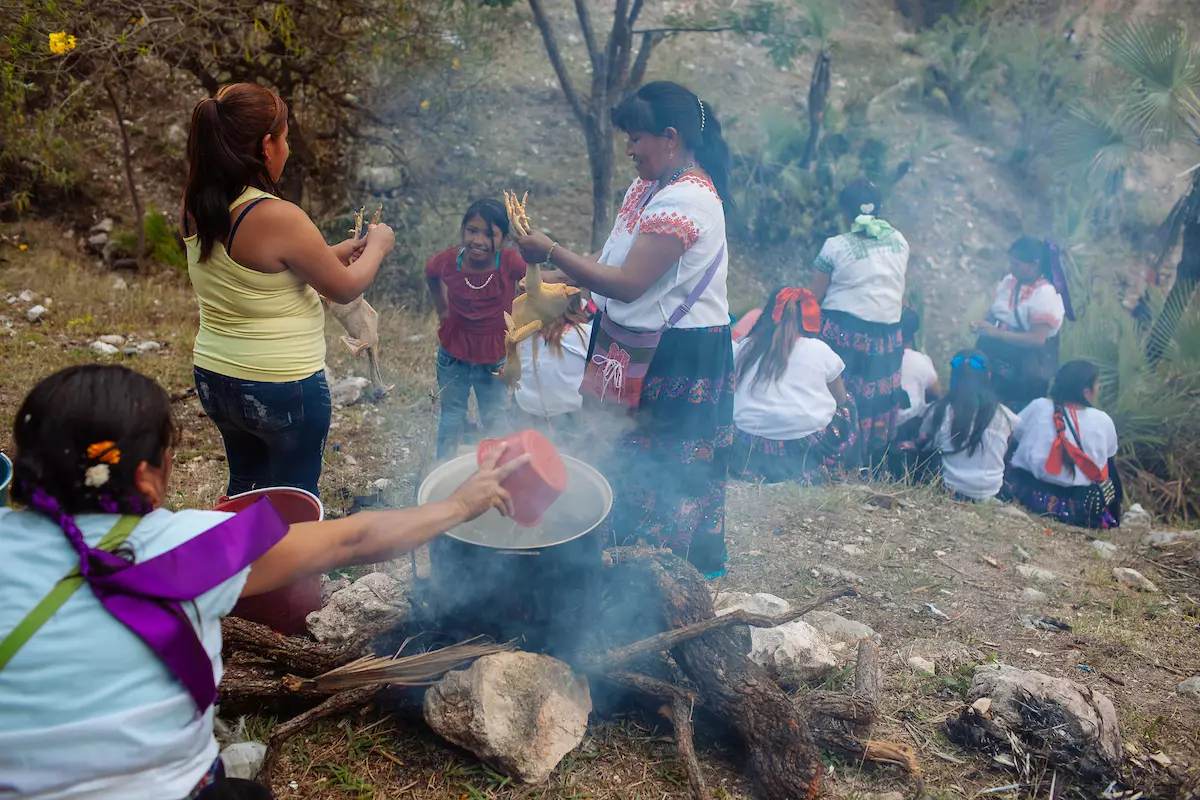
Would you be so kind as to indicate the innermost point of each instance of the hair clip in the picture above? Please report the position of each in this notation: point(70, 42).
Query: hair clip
point(867, 208)
point(700, 103)
point(976, 362)
point(105, 452)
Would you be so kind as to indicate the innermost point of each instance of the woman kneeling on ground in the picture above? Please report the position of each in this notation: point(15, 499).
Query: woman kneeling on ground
point(1064, 465)
point(792, 417)
point(968, 431)
point(259, 266)
point(553, 364)
point(108, 691)
point(473, 285)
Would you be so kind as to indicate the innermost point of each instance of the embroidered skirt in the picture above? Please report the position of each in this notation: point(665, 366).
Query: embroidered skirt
point(667, 460)
point(1096, 506)
point(874, 353)
point(810, 460)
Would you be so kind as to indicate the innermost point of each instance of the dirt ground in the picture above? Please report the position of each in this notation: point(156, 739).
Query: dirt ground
point(1133, 647)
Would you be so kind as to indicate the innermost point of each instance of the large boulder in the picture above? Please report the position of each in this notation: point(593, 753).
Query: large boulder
point(794, 653)
point(371, 605)
point(1070, 719)
point(519, 712)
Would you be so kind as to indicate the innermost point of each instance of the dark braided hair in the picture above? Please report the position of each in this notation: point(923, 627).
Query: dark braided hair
point(74, 410)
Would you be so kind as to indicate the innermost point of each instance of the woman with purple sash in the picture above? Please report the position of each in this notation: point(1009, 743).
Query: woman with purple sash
point(110, 604)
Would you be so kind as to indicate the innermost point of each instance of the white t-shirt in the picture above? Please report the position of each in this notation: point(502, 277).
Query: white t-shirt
point(555, 388)
point(798, 404)
point(980, 475)
point(866, 276)
point(917, 374)
point(1037, 302)
point(87, 709)
point(1036, 434)
point(690, 209)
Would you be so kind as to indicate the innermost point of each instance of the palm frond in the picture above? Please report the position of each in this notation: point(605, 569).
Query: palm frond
point(421, 669)
point(1089, 142)
point(1164, 68)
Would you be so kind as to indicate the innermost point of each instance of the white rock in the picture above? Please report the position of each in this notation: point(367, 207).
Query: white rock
point(119, 284)
point(1033, 595)
point(382, 484)
point(243, 760)
point(103, 226)
point(794, 653)
point(1134, 579)
point(1106, 550)
point(1011, 512)
point(837, 574)
point(370, 605)
point(35, 314)
point(1021, 553)
point(330, 587)
point(98, 239)
point(761, 603)
point(1039, 574)
point(947, 652)
point(115, 339)
point(852, 550)
point(837, 628)
point(1190, 687)
point(920, 665)
point(1168, 537)
point(26, 296)
point(347, 392)
point(103, 348)
point(148, 347)
point(519, 712)
point(1089, 717)
point(1136, 517)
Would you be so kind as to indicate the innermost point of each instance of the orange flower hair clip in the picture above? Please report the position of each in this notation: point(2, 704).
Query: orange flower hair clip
point(104, 452)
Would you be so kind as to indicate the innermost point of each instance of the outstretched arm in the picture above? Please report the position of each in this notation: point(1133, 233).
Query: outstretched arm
point(648, 260)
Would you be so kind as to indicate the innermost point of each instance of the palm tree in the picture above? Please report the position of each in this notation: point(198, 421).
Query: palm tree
point(1159, 102)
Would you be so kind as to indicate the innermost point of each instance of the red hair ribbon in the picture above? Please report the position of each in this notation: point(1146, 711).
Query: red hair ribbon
point(810, 310)
point(1063, 448)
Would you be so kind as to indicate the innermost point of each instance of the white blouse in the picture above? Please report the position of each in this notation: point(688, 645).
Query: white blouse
point(977, 475)
point(554, 389)
point(1033, 303)
point(1036, 433)
point(866, 276)
point(690, 209)
point(798, 404)
point(917, 376)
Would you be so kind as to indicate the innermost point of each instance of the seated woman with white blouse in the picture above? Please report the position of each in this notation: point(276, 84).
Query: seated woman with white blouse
point(1064, 464)
point(792, 417)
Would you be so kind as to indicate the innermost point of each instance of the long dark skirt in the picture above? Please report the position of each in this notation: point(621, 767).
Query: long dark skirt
point(811, 460)
point(1097, 506)
point(667, 461)
point(874, 353)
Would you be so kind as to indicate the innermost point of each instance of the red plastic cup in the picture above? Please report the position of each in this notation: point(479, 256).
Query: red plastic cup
point(284, 609)
point(536, 486)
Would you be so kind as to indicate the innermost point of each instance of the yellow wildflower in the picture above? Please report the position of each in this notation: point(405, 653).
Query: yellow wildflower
point(455, 64)
point(424, 105)
point(22, 247)
point(62, 43)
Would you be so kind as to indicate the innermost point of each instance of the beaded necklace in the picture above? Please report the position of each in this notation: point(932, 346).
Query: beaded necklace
point(467, 280)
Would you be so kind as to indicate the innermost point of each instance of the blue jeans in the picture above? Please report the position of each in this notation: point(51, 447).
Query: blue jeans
point(274, 432)
point(455, 380)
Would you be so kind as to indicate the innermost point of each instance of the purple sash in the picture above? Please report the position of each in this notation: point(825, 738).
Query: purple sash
point(147, 597)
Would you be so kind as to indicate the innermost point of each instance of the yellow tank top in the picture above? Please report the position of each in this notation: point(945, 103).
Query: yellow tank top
point(254, 326)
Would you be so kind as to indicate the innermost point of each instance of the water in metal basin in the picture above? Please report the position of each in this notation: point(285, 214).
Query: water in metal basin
point(582, 507)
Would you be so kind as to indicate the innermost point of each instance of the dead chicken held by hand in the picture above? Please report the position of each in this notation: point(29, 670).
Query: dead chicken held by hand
point(540, 305)
point(361, 321)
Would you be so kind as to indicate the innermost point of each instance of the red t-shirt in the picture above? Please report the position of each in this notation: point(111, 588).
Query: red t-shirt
point(473, 330)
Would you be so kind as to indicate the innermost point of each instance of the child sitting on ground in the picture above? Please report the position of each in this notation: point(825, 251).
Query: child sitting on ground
point(918, 379)
point(968, 431)
point(792, 417)
point(548, 396)
point(107, 681)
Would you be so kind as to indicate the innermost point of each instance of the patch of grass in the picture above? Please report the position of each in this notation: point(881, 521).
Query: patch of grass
point(347, 780)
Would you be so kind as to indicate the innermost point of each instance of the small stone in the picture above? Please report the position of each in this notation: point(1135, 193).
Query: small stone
point(98, 239)
point(119, 285)
point(149, 347)
point(1136, 517)
point(852, 550)
point(25, 296)
point(1022, 553)
point(833, 573)
point(1012, 512)
point(922, 666)
point(1039, 574)
point(1167, 537)
point(1190, 687)
point(115, 339)
point(839, 629)
point(762, 603)
point(949, 653)
point(889, 795)
point(35, 314)
point(1134, 579)
point(1032, 595)
point(382, 484)
point(103, 226)
point(103, 348)
point(243, 760)
point(1106, 550)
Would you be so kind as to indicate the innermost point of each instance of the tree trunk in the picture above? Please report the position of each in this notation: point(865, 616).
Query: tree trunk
point(818, 93)
point(600, 158)
point(127, 156)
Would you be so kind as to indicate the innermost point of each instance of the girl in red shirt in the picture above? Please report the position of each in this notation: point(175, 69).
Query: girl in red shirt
point(473, 285)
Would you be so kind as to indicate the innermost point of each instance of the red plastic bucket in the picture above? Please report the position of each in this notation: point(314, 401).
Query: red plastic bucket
point(283, 609)
point(534, 488)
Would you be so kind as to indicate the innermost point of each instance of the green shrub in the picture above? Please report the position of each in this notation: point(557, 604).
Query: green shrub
point(162, 241)
point(961, 70)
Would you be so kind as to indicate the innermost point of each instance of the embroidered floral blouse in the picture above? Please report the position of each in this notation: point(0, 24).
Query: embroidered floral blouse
point(866, 276)
point(1020, 308)
point(690, 209)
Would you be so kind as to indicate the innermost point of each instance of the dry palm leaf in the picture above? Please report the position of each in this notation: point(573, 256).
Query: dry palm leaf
point(422, 669)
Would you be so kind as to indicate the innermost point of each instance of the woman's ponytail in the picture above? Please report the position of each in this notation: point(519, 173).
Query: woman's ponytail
point(712, 153)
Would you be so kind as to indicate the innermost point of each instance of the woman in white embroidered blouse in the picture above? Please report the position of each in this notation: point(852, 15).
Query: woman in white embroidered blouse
point(1020, 333)
point(673, 428)
point(859, 281)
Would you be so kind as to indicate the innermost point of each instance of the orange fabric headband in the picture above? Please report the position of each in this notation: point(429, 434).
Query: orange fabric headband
point(810, 310)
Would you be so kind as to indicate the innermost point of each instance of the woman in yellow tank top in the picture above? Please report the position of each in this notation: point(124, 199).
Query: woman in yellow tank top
point(259, 266)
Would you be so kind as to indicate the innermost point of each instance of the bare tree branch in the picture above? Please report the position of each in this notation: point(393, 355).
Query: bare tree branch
point(127, 156)
point(589, 35)
point(556, 60)
point(717, 29)
point(649, 42)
